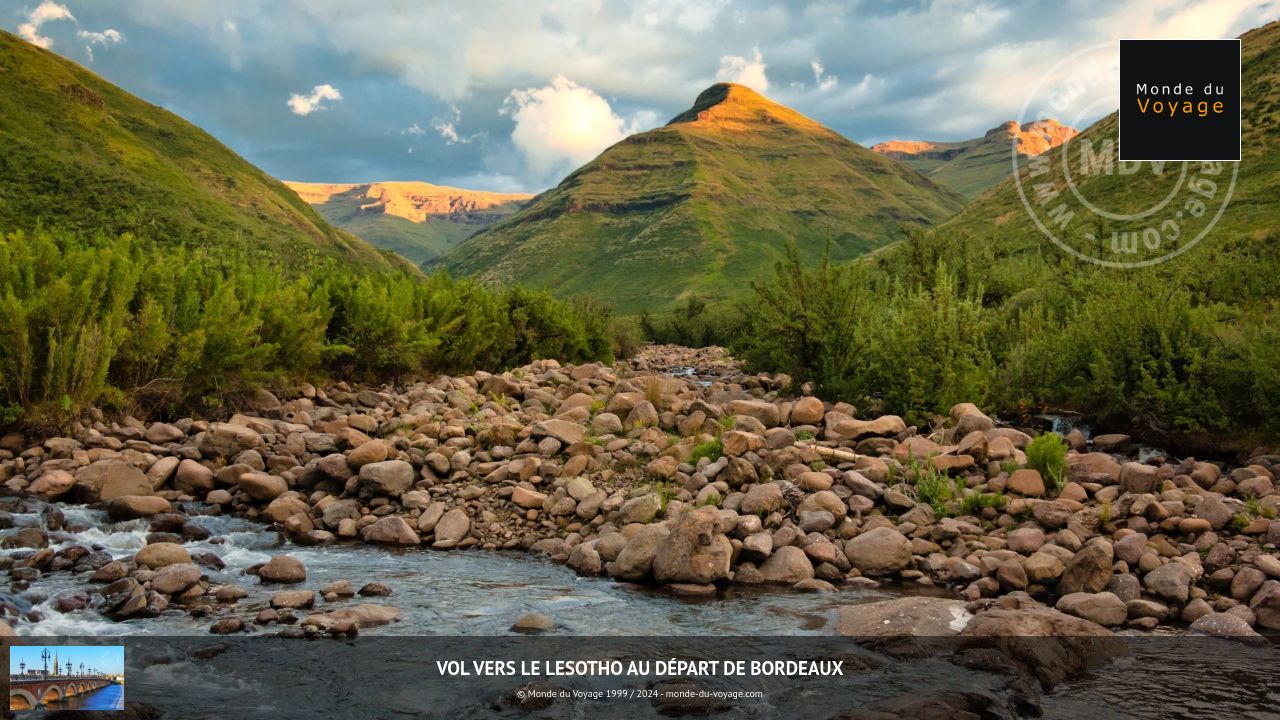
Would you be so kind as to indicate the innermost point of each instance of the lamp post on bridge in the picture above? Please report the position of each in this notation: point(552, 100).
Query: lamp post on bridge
point(44, 655)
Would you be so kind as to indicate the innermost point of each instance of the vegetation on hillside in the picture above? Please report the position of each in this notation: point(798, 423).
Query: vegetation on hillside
point(415, 220)
point(703, 205)
point(983, 309)
point(83, 154)
point(134, 324)
point(145, 266)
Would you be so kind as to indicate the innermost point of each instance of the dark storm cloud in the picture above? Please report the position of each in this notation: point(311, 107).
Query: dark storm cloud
point(427, 88)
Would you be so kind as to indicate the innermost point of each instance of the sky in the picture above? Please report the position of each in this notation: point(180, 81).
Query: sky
point(512, 95)
point(106, 658)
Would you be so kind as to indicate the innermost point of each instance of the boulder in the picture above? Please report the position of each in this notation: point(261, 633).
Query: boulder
point(1026, 482)
point(636, 559)
point(1227, 625)
point(526, 498)
point(367, 453)
point(1103, 608)
point(1212, 508)
point(193, 479)
point(1089, 571)
point(788, 564)
point(641, 509)
point(1046, 644)
point(880, 551)
point(695, 550)
point(807, 411)
point(1265, 605)
point(452, 527)
point(391, 530)
point(883, 426)
point(762, 498)
point(563, 430)
point(283, 569)
point(52, 484)
point(261, 486)
point(389, 477)
point(361, 616)
point(130, 507)
point(765, 412)
point(162, 433)
point(107, 479)
point(224, 440)
point(903, 617)
point(294, 599)
point(173, 579)
point(159, 555)
point(533, 623)
point(1171, 581)
point(1138, 478)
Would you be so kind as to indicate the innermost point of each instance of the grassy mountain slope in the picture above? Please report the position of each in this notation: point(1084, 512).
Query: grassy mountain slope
point(703, 205)
point(998, 224)
point(1185, 350)
point(82, 154)
point(970, 167)
point(417, 220)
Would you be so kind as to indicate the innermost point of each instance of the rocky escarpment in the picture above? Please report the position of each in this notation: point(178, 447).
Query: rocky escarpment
point(650, 472)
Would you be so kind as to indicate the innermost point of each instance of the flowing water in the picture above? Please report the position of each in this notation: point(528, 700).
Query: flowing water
point(478, 594)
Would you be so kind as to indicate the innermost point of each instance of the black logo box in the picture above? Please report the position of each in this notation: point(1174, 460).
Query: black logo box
point(1188, 64)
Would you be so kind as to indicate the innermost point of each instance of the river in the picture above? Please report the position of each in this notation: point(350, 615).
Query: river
point(478, 594)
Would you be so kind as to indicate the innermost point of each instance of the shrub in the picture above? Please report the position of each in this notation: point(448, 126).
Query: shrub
point(711, 449)
point(1047, 453)
point(136, 325)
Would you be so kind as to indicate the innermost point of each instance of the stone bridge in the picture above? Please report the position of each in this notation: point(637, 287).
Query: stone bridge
point(26, 693)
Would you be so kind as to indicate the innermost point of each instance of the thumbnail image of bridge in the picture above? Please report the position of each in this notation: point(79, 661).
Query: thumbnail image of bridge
point(29, 689)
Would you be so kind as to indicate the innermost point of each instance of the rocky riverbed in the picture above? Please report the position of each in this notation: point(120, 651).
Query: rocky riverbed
point(675, 470)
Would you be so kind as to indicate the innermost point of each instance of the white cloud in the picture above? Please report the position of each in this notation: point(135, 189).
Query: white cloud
point(104, 38)
point(414, 129)
point(825, 82)
point(737, 69)
point(564, 124)
point(691, 17)
point(307, 104)
point(45, 12)
point(448, 128)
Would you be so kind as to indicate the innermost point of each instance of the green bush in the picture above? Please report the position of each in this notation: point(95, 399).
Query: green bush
point(154, 328)
point(1047, 453)
point(711, 449)
point(1169, 350)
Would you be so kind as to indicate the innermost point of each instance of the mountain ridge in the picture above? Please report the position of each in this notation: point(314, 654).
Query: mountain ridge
point(702, 205)
point(973, 166)
point(415, 219)
point(85, 155)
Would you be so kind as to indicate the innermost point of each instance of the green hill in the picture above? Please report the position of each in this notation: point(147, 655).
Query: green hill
point(1019, 258)
point(703, 205)
point(82, 154)
point(970, 167)
point(984, 308)
point(417, 220)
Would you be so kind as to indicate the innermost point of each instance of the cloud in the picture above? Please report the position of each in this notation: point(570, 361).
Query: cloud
point(448, 128)
point(106, 37)
point(563, 125)
point(691, 17)
point(825, 82)
point(737, 69)
point(307, 104)
point(47, 11)
point(414, 129)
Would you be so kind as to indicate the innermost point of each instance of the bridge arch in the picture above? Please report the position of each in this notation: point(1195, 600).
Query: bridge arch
point(52, 694)
point(21, 700)
point(71, 690)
